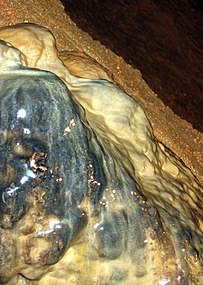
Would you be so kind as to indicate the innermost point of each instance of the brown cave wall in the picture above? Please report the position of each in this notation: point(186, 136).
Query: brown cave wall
point(160, 38)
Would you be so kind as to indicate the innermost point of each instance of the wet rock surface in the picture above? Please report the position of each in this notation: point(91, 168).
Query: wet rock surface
point(175, 133)
point(88, 197)
point(50, 162)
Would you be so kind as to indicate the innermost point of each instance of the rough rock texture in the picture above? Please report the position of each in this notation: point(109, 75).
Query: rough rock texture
point(170, 253)
point(47, 157)
point(62, 186)
point(176, 134)
point(163, 39)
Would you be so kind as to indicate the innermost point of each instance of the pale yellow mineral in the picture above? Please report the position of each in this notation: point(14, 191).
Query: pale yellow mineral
point(128, 136)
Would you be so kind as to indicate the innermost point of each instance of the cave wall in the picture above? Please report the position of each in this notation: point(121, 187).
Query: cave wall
point(160, 38)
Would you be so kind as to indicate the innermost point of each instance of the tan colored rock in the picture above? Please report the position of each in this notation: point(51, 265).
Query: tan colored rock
point(176, 134)
point(80, 264)
point(128, 135)
point(82, 65)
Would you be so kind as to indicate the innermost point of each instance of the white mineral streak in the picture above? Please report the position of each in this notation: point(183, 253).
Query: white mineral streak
point(122, 127)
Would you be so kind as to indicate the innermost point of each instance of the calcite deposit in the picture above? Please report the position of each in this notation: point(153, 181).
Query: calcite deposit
point(88, 195)
point(176, 134)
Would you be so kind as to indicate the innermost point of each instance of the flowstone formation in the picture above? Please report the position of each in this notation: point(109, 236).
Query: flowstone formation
point(88, 196)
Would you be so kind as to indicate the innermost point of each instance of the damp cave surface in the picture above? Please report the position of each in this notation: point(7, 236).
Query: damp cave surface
point(163, 39)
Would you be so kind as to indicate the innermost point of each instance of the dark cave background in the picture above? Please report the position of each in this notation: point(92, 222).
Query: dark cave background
point(163, 39)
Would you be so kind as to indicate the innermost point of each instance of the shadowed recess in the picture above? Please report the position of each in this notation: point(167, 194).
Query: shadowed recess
point(163, 39)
